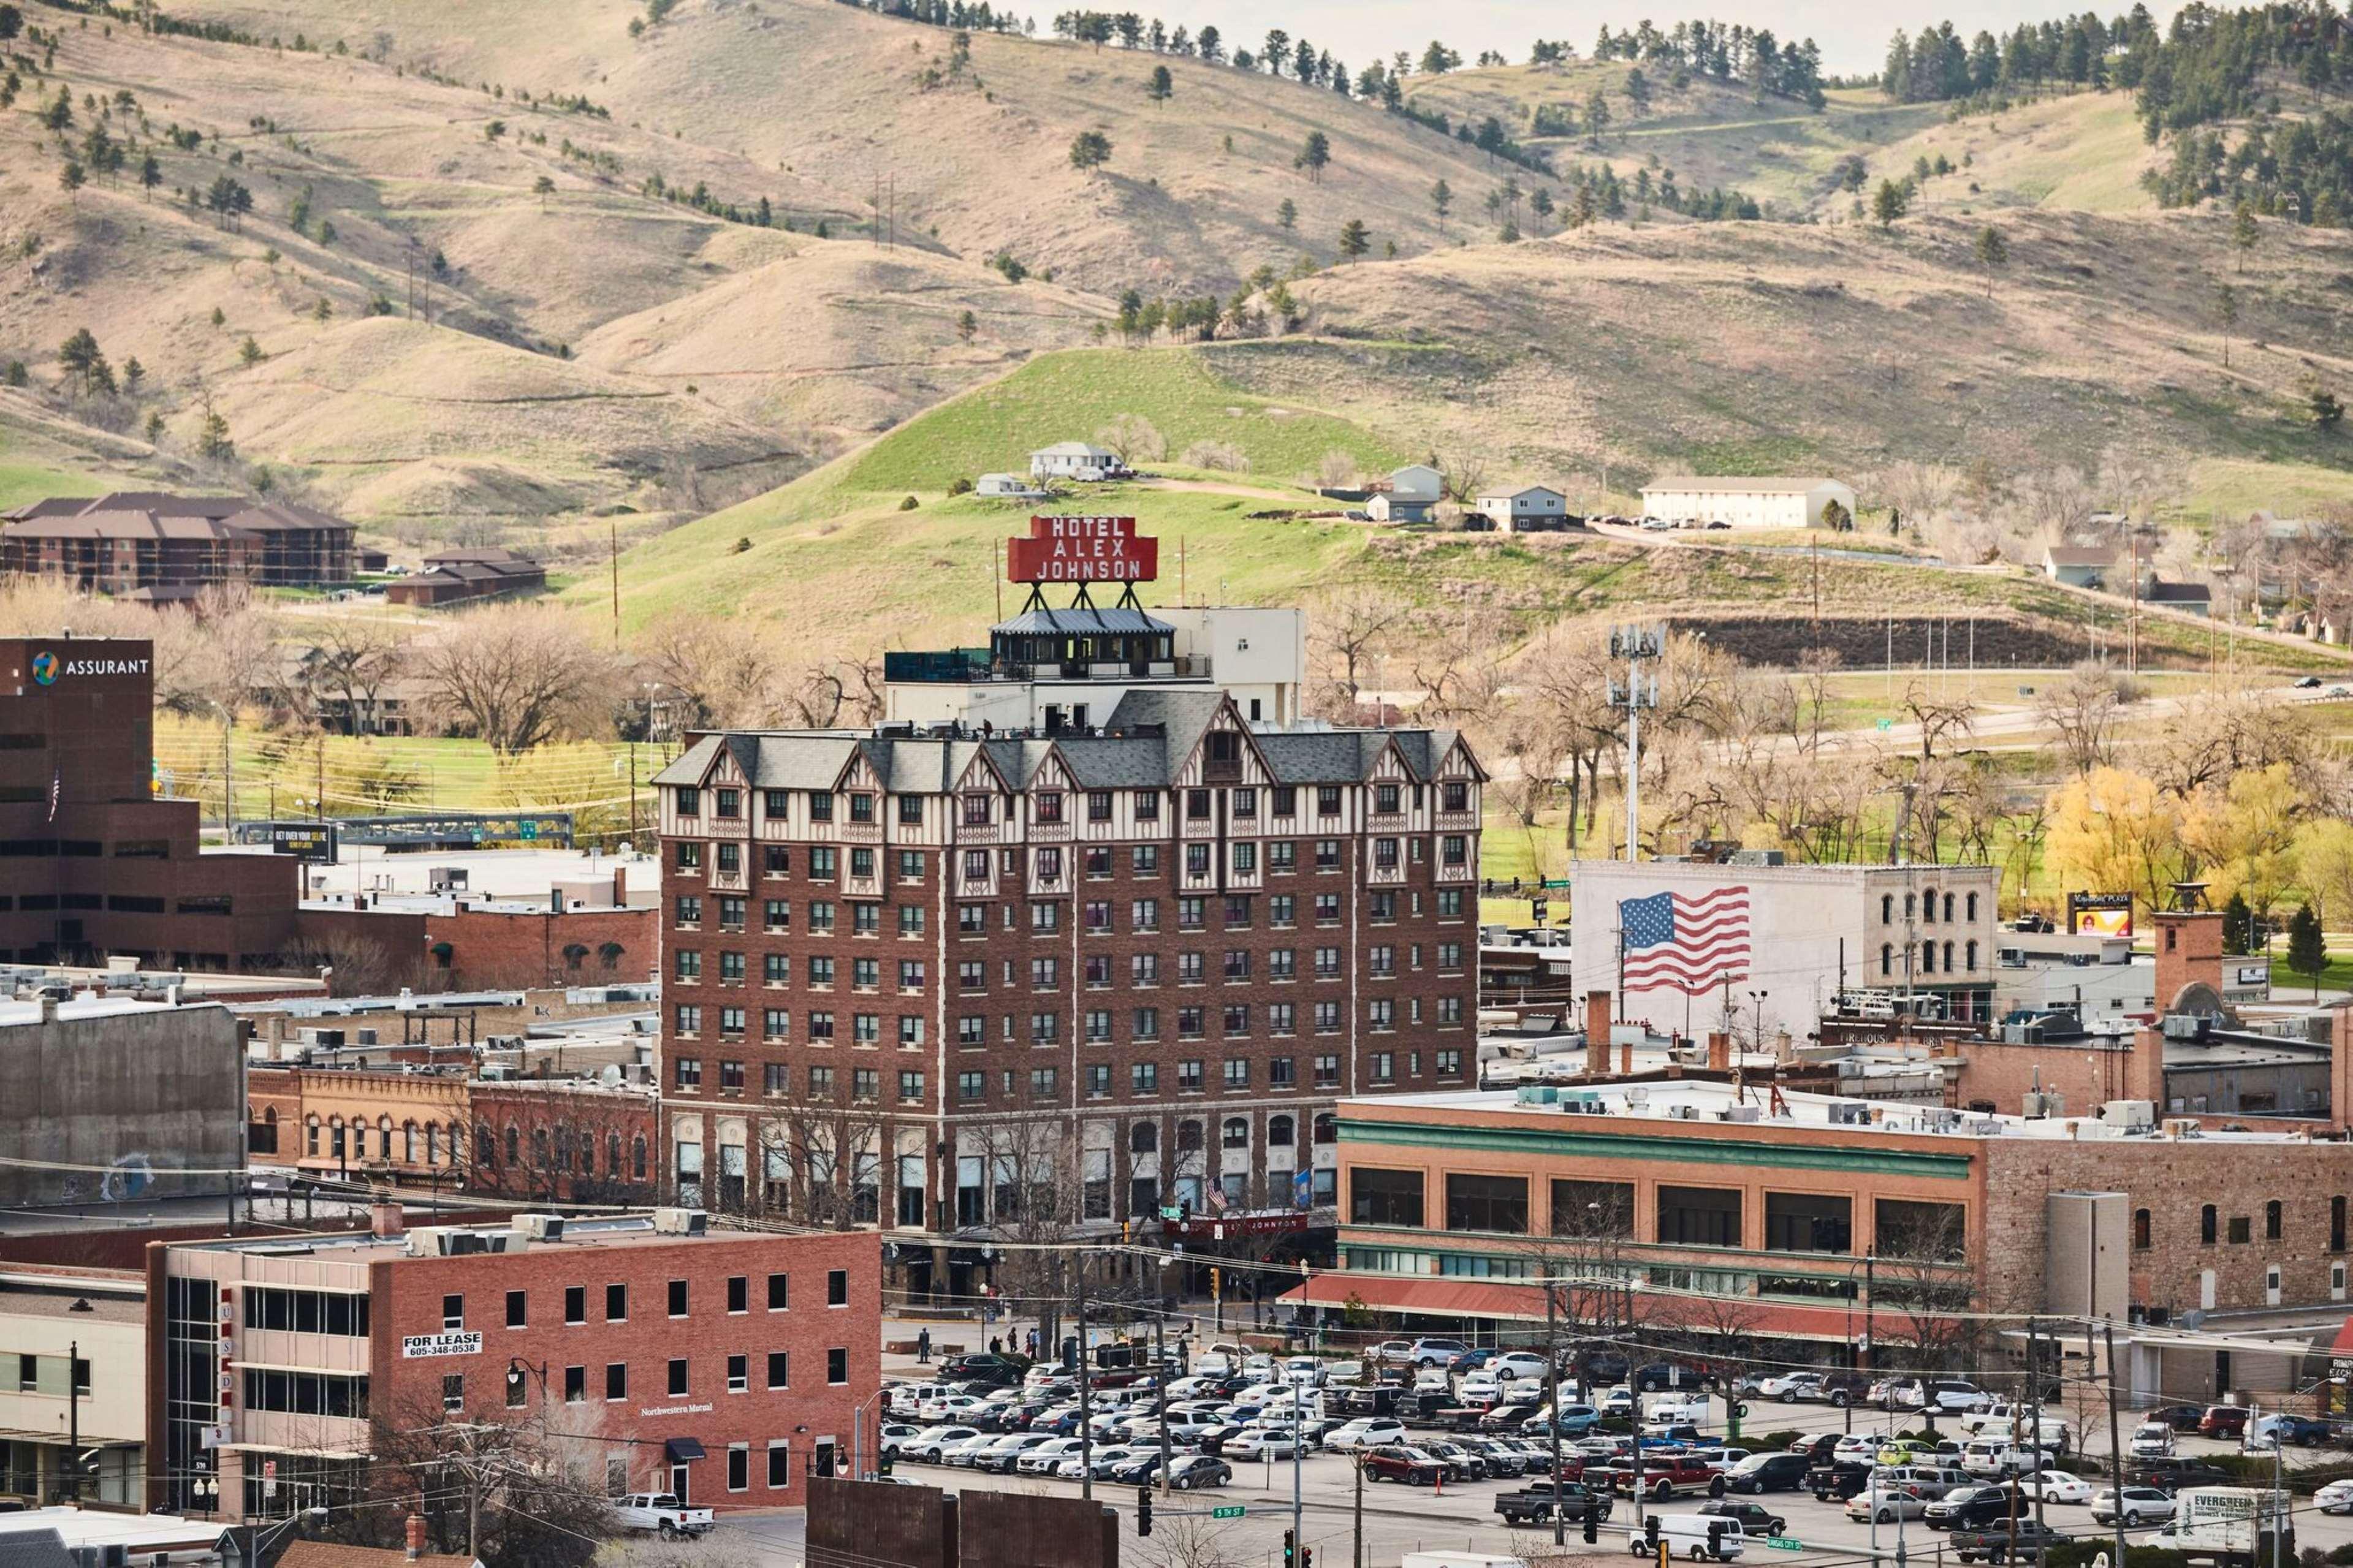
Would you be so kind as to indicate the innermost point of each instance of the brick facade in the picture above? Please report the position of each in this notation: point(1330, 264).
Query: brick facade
point(931, 950)
point(465, 946)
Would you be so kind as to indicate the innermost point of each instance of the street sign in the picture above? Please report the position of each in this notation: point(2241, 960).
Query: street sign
point(1230, 1511)
point(1785, 1543)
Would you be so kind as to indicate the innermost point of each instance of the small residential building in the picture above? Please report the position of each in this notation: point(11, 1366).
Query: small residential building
point(1746, 500)
point(2189, 598)
point(457, 576)
point(726, 1367)
point(1412, 495)
point(2080, 565)
point(1076, 460)
point(1535, 509)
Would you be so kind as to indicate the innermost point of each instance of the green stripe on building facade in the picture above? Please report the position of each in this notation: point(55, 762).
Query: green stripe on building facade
point(1677, 1150)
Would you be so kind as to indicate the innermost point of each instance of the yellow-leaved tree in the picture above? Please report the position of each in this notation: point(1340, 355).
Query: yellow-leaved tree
point(2243, 835)
point(2324, 853)
point(2114, 831)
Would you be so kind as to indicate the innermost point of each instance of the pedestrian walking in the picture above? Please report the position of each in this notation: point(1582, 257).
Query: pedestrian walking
point(923, 1345)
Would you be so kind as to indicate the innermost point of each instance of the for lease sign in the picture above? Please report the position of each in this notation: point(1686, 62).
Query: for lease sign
point(1083, 549)
point(423, 1347)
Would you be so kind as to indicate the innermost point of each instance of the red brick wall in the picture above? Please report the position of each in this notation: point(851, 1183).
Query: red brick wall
point(409, 1292)
point(2189, 950)
point(490, 949)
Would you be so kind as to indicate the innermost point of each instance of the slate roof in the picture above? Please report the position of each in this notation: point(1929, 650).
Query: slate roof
point(33, 1549)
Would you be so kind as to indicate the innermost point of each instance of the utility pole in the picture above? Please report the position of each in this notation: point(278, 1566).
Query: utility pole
point(1357, 1463)
point(1160, 1397)
point(2035, 1411)
point(73, 1415)
point(1635, 645)
point(2116, 1447)
point(1086, 1428)
point(1552, 1409)
point(613, 548)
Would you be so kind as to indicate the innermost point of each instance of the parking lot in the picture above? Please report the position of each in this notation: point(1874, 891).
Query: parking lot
point(1394, 1518)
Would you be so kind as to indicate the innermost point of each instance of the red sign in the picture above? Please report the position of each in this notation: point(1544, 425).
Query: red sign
point(1083, 549)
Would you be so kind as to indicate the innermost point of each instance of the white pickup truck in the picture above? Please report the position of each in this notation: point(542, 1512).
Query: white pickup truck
point(651, 1513)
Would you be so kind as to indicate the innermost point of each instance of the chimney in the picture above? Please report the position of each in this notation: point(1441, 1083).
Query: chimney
point(1597, 1033)
point(48, 1008)
point(620, 887)
point(386, 1219)
point(1626, 1059)
point(1719, 1051)
point(415, 1536)
point(2144, 1068)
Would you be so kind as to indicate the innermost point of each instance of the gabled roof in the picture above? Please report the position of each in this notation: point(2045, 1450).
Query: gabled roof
point(1741, 484)
point(2081, 554)
point(1516, 495)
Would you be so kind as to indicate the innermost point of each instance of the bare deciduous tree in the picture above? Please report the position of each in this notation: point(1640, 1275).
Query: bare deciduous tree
point(1349, 632)
point(2080, 709)
point(517, 676)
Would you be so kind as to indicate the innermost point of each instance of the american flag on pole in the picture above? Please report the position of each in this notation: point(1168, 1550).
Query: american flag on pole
point(1682, 942)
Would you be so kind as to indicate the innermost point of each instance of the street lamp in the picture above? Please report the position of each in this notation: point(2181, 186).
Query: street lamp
point(1758, 997)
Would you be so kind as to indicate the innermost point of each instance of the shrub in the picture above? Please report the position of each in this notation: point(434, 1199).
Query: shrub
point(959, 486)
point(1223, 455)
point(910, 504)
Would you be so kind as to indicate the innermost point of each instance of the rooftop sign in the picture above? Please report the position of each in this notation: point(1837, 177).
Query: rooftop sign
point(1083, 549)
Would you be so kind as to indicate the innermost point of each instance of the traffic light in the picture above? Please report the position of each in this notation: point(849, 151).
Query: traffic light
point(1143, 1511)
point(1217, 1283)
point(1290, 1550)
point(1307, 1557)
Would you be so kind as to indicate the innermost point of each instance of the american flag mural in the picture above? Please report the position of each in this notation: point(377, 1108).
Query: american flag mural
point(1677, 942)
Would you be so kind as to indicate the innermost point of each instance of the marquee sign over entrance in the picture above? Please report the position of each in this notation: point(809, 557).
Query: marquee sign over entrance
point(1083, 549)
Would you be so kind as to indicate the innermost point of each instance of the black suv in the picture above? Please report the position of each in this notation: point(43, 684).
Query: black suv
point(1769, 1473)
point(1754, 1518)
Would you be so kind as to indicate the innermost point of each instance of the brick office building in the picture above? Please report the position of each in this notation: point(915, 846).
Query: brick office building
point(724, 1366)
point(94, 863)
point(1134, 960)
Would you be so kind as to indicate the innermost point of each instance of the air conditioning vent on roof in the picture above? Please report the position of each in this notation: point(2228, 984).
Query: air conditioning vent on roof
point(681, 1222)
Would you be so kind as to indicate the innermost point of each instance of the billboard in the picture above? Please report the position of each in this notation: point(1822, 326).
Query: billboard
point(1083, 549)
point(2100, 914)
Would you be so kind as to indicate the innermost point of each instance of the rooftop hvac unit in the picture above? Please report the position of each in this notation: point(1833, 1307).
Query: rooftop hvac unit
point(2044, 1102)
point(2134, 1114)
point(681, 1222)
point(540, 1227)
point(2181, 1026)
point(1849, 1113)
point(1758, 857)
point(1937, 1119)
point(2180, 1127)
point(1638, 1097)
point(1538, 1094)
point(1685, 1112)
point(1741, 1113)
point(1984, 1126)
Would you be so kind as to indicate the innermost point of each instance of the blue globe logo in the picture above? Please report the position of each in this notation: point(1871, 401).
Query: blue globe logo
point(45, 668)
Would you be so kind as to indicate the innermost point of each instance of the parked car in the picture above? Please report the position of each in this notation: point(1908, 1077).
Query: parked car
point(1666, 1374)
point(1839, 1389)
point(1754, 1518)
point(1968, 1508)
point(2056, 1486)
point(2180, 1417)
point(2134, 1505)
point(1537, 1504)
point(1393, 1351)
point(1788, 1387)
point(2170, 1476)
point(660, 1513)
point(1520, 1363)
point(933, 1442)
point(1768, 1473)
point(2024, 1539)
point(1394, 1462)
point(2266, 1433)
point(1188, 1472)
point(2337, 1497)
point(2223, 1421)
point(1885, 1505)
point(1839, 1480)
point(2150, 1441)
point(1436, 1352)
point(1364, 1432)
point(1669, 1474)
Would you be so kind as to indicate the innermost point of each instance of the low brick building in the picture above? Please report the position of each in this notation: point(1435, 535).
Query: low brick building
point(454, 941)
point(726, 1366)
point(1776, 1215)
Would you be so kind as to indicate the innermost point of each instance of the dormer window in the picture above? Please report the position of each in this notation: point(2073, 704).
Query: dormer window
point(861, 808)
point(1050, 806)
point(977, 811)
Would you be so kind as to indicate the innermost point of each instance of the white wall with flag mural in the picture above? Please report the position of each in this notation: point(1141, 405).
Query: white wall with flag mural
point(1756, 950)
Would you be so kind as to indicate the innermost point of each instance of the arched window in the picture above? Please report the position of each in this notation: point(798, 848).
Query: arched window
point(486, 1147)
point(2272, 1218)
point(1973, 907)
point(514, 1144)
point(2206, 1227)
point(384, 1137)
point(1189, 1137)
point(2140, 1230)
point(539, 1147)
point(311, 1136)
point(1973, 957)
point(562, 1148)
point(1280, 1133)
point(1927, 958)
point(1327, 1127)
point(270, 1116)
point(1949, 958)
point(1886, 958)
point(1237, 1132)
point(1928, 907)
point(335, 1138)
point(611, 954)
point(1143, 1138)
point(408, 1142)
point(612, 1155)
point(638, 1159)
point(1887, 908)
point(574, 955)
point(1911, 905)
point(433, 1143)
point(457, 1145)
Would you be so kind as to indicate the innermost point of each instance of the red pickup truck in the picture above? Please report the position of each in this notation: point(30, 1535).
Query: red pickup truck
point(1665, 1476)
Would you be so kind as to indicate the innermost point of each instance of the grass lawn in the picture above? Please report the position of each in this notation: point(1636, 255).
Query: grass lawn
point(22, 482)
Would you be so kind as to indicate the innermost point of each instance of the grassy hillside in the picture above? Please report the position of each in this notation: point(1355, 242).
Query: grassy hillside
point(1749, 348)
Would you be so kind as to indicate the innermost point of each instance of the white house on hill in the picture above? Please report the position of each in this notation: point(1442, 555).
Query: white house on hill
point(1075, 460)
point(1740, 501)
point(1538, 505)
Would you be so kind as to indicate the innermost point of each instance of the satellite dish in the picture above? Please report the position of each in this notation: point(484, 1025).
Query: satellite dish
point(609, 1076)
